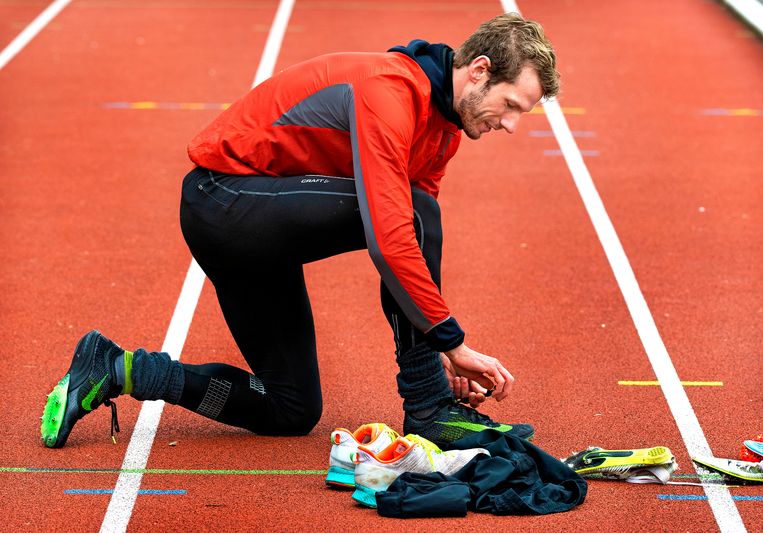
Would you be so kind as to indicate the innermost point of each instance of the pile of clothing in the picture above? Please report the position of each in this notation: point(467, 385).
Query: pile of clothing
point(488, 471)
point(495, 472)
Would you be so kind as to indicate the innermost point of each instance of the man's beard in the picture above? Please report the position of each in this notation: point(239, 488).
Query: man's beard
point(467, 110)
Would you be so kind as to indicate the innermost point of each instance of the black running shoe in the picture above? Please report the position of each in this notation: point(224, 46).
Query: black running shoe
point(454, 421)
point(89, 383)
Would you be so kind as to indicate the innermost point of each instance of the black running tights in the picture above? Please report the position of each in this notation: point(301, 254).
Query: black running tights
point(251, 235)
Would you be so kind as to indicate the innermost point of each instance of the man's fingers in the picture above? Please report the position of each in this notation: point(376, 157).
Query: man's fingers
point(508, 383)
point(475, 399)
point(502, 381)
point(487, 374)
point(476, 387)
point(461, 387)
point(496, 378)
point(485, 381)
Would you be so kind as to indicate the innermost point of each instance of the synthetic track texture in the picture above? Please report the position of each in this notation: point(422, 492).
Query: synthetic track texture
point(90, 239)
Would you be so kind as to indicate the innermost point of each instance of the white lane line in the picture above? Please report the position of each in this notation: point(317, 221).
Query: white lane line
point(273, 44)
point(750, 10)
point(29, 33)
point(128, 483)
point(723, 507)
point(125, 492)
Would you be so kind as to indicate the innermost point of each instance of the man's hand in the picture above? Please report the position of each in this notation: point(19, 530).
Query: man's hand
point(473, 374)
point(463, 389)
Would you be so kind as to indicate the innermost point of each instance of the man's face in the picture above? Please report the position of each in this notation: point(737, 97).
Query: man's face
point(483, 109)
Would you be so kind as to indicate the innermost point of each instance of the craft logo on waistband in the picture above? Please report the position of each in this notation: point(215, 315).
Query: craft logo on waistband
point(314, 180)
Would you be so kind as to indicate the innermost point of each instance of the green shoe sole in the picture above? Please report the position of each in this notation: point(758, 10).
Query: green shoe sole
point(53, 415)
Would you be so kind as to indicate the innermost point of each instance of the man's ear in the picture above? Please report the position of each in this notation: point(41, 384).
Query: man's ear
point(478, 69)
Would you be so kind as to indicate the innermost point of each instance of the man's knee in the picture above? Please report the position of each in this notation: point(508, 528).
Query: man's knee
point(303, 422)
point(426, 213)
point(426, 205)
point(287, 419)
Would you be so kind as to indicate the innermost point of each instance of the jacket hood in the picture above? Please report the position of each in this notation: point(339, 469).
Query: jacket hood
point(436, 60)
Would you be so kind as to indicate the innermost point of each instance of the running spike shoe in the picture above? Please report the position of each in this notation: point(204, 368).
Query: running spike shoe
point(89, 383)
point(375, 471)
point(454, 421)
point(755, 447)
point(344, 445)
point(746, 470)
point(617, 464)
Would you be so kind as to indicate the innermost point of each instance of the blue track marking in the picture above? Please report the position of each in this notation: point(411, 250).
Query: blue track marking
point(699, 497)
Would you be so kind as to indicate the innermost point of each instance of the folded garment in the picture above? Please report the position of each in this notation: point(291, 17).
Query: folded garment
point(516, 478)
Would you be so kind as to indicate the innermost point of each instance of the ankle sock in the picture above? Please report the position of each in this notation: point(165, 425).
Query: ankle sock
point(123, 370)
point(127, 388)
point(155, 376)
point(422, 382)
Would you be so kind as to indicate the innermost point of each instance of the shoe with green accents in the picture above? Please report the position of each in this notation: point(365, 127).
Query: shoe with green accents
point(455, 421)
point(89, 383)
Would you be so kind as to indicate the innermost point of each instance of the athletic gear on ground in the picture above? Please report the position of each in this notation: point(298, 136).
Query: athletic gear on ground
point(375, 471)
point(752, 449)
point(344, 446)
point(624, 464)
point(745, 470)
point(89, 383)
point(454, 421)
point(756, 447)
point(516, 478)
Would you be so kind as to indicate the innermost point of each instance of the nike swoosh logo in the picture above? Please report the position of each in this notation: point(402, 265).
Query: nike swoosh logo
point(88, 400)
point(471, 426)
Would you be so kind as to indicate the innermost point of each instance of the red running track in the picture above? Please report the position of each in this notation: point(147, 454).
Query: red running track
point(90, 238)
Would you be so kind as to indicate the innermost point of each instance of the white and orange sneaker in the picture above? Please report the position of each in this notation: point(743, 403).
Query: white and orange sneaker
point(375, 471)
point(375, 437)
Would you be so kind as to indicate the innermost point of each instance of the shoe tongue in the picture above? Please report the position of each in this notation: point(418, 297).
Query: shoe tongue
point(473, 415)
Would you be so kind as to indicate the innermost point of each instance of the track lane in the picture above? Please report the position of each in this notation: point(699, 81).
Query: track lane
point(16, 16)
point(662, 164)
point(91, 236)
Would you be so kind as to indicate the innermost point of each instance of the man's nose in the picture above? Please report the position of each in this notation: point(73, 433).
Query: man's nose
point(509, 122)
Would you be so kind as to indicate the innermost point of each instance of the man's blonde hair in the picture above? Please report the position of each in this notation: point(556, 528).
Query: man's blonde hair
point(511, 43)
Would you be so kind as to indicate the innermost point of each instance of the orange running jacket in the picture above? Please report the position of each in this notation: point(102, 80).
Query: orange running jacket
point(364, 115)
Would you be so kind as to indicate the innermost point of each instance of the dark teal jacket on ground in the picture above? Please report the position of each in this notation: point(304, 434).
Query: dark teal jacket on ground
point(517, 478)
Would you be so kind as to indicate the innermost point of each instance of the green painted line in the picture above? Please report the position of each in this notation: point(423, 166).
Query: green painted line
point(180, 471)
point(696, 476)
